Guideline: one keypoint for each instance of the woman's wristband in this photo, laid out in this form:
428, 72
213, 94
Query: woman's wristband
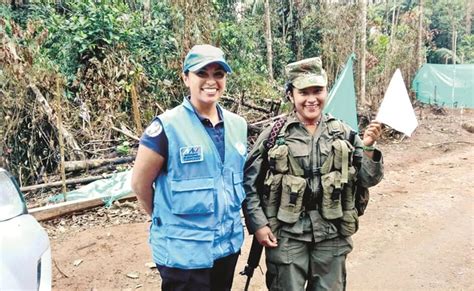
370, 148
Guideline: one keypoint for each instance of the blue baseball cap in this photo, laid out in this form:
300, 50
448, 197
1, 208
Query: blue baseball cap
202, 55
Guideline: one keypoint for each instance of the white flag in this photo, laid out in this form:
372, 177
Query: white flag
396, 110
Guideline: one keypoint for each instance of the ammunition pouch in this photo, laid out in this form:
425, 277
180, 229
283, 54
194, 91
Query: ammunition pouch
291, 203
278, 159
272, 199
331, 206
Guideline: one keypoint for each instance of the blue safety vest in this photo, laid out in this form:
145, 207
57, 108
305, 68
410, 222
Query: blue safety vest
197, 201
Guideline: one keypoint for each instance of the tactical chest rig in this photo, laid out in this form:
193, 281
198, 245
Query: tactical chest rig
285, 193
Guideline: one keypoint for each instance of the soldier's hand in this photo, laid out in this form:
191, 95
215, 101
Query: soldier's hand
372, 133
266, 238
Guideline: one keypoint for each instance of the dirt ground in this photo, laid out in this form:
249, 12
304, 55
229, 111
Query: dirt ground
417, 233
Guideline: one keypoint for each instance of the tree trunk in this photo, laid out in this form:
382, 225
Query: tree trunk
420, 53
363, 41
454, 40
146, 10
268, 40
469, 5
60, 137
392, 30
136, 109
300, 39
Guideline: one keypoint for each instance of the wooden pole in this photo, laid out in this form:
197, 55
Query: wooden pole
60, 137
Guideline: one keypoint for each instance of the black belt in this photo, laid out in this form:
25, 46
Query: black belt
311, 207
312, 172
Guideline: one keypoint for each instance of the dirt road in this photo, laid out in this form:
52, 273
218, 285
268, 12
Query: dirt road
417, 234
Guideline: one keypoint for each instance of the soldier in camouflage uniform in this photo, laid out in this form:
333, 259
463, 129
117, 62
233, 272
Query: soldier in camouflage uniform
301, 202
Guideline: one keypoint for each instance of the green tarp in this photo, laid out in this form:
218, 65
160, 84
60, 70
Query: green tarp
445, 85
341, 102
111, 189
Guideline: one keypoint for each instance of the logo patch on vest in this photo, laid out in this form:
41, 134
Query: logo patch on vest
191, 154
154, 129
240, 148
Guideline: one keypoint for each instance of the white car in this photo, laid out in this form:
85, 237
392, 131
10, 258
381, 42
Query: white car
25, 253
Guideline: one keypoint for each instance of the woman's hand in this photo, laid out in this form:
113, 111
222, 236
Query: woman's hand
372, 133
266, 238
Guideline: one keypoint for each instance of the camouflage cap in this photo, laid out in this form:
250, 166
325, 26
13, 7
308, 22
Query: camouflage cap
306, 73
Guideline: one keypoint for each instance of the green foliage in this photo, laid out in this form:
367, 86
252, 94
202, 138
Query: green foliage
444, 16
244, 47
87, 30
123, 148
441, 56
466, 49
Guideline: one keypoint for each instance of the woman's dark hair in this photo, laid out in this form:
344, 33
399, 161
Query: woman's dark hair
288, 90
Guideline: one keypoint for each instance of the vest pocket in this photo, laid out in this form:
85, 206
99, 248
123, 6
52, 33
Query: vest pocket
189, 248
239, 193
194, 196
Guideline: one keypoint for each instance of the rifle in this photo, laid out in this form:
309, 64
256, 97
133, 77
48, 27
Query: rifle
252, 262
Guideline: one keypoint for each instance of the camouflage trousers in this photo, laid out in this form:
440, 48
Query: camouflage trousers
319, 266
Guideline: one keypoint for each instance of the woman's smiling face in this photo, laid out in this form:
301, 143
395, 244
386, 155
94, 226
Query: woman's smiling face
309, 103
207, 84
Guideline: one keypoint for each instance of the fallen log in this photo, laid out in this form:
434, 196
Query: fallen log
71, 166
253, 106
52, 211
68, 182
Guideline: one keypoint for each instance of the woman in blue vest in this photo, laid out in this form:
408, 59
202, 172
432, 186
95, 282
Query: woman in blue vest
188, 177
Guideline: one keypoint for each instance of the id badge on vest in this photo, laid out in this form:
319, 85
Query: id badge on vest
191, 154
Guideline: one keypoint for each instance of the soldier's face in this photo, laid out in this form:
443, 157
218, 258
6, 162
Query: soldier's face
206, 85
309, 102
